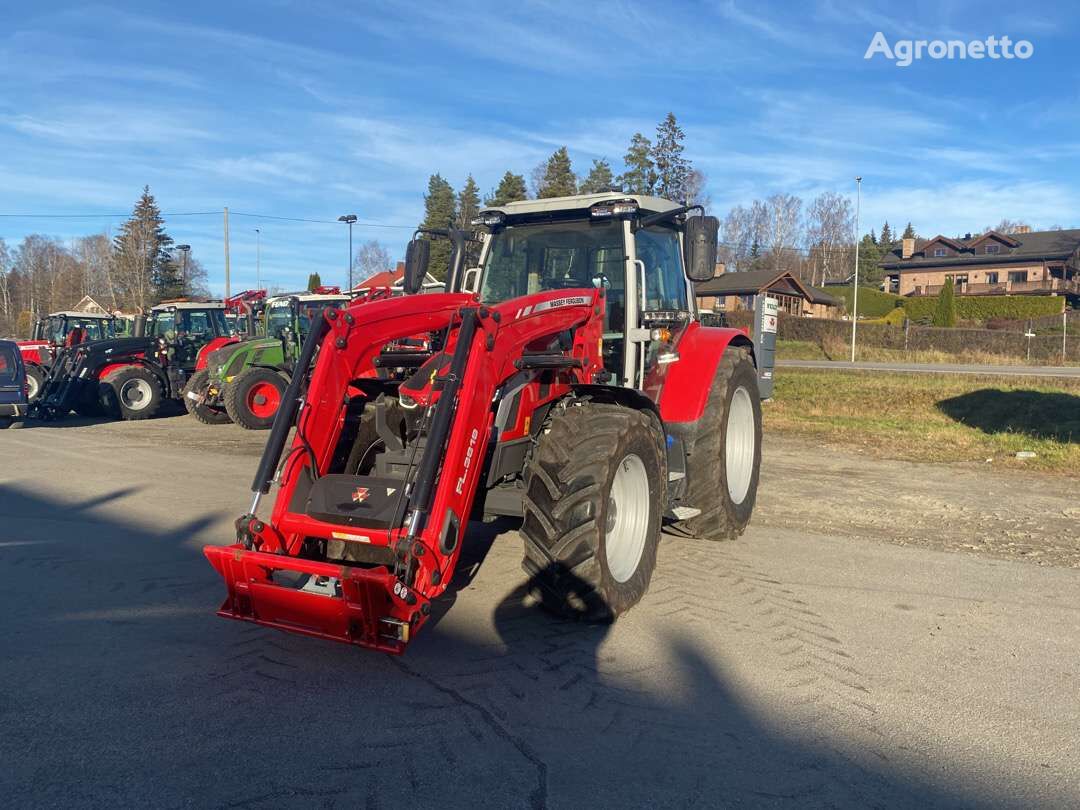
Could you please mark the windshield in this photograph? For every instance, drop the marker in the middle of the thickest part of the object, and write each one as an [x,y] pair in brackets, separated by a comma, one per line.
[206,323]
[59,327]
[278,317]
[525,259]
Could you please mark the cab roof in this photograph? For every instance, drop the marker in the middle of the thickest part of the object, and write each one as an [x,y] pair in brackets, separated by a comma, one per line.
[311,297]
[654,205]
[72,314]
[188,305]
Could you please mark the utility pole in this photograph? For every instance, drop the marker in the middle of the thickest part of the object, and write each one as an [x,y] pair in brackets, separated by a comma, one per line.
[855,296]
[350,219]
[258,259]
[228,292]
[184,250]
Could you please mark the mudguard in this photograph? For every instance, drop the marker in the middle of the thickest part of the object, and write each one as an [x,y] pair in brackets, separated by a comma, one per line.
[688,381]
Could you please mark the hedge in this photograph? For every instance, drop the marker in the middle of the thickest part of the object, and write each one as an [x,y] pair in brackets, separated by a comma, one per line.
[872,303]
[984,308]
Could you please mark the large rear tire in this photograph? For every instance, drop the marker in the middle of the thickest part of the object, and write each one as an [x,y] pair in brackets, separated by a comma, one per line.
[131,393]
[723,468]
[253,397]
[35,379]
[203,411]
[595,486]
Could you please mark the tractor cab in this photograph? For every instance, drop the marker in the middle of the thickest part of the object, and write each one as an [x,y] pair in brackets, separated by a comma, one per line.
[643,252]
[289,317]
[187,327]
[63,329]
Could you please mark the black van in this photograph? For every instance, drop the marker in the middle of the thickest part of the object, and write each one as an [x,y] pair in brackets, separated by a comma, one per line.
[12,385]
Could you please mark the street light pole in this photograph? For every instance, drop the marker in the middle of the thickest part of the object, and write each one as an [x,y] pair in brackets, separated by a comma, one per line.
[855,296]
[184,249]
[258,259]
[350,219]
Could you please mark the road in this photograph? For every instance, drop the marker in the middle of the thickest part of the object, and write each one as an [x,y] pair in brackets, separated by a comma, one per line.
[789,668]
[940,368]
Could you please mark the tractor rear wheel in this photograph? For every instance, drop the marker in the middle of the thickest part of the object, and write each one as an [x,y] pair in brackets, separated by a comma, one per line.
[203,411]
[253,397]
[35,378]
[595,490]
[131,393]
[722,470]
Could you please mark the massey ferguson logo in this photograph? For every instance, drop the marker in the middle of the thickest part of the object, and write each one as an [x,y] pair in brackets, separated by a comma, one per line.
[360,495]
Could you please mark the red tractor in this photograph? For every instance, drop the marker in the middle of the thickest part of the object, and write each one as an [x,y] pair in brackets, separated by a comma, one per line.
[131,377]
[566,381]
[58,331]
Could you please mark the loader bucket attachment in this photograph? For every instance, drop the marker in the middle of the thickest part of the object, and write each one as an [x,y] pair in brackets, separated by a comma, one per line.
[364,606]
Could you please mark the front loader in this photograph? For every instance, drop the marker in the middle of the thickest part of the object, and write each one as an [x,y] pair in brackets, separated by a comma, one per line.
[565,381]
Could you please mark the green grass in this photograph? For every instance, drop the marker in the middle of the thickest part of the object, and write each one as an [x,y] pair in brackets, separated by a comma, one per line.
[937,418]
[799,350]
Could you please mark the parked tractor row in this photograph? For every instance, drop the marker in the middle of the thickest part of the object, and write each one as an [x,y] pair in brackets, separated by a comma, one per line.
[564,380]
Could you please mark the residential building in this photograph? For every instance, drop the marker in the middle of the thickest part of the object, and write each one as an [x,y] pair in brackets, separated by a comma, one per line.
[993,263]
[730,292]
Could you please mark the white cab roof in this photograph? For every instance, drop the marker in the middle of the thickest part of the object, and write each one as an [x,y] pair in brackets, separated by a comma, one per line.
[582,201]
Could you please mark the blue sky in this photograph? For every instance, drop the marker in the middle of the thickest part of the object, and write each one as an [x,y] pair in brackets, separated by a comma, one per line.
[315,109]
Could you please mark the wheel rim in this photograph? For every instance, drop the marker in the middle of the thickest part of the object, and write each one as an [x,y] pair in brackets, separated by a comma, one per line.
[135,394]
[263,399]
[31,386]
[627,518]
[739,445]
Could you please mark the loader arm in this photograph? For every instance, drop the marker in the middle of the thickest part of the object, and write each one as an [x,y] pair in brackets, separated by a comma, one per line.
[412,534]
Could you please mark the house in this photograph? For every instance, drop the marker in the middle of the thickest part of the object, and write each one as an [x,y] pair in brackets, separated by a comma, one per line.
[993,263]
[729,292]
[89,306]
[386,278]
[393,279]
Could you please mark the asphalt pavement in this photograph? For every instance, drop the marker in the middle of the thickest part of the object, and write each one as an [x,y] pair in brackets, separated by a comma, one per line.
[939,368]
[789,668]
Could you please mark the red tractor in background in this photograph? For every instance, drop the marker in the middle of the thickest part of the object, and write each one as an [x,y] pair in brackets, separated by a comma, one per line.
[565,381]
[58,331]
[131,377]
[239,311]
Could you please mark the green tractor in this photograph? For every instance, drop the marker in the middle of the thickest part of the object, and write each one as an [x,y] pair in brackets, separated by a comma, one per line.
[244,382]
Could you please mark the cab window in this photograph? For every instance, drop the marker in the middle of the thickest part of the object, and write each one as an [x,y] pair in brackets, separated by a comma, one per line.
[665,284]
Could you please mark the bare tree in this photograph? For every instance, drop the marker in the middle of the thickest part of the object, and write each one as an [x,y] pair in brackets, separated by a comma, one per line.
[5,282]
[1008,226]
[695,189]
[783,228]
[830,225]
[372,258]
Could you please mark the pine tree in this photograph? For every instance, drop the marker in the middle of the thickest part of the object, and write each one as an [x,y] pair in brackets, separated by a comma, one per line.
[870,272]
[599,179]
[313,281]
[886,239]
[468,203]
[672,169]
[945,314]
[146,272]
[511,188]
[909,232]
[559,179]
[439,212]
[640,174]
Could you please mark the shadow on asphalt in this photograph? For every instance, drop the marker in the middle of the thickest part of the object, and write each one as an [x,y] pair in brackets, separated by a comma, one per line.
[1039,414]
[122,688]
[169,409]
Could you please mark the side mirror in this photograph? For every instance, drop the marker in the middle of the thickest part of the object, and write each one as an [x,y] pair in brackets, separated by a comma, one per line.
[417,257]
[700,240]
[470,282]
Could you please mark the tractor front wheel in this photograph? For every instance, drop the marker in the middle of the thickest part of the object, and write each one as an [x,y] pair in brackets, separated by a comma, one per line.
[131,393]
[203,411]
[723,467]
[35,379]
[595,488]
[253,397]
